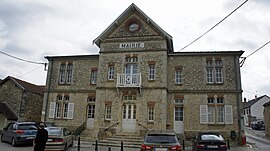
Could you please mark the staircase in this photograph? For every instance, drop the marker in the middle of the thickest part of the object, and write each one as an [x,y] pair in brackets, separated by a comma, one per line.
[129,140]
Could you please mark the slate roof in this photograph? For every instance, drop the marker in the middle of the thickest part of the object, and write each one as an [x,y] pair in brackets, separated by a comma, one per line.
[251,102]
[7,111]
[25,85]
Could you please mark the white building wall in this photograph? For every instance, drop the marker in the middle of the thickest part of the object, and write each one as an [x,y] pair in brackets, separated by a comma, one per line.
[257,108]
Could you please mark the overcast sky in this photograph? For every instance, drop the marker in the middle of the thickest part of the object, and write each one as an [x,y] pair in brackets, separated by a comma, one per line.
[32,29]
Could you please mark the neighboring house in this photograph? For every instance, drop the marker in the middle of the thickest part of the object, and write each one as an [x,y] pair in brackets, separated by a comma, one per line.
[6,115]
[266,114]
[253,109]
[137,82]
[20,100]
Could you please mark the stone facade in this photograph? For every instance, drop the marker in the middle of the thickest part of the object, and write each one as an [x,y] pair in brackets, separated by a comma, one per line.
[130,46]
[266,113]
[23,98]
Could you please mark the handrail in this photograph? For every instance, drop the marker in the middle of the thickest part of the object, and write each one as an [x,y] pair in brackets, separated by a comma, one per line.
[111,126]
[143,126]
[81,128]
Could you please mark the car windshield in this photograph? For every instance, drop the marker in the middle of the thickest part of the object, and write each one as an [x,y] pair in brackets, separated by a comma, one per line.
[27,127]
[54,131]
[161,139]
[211,137]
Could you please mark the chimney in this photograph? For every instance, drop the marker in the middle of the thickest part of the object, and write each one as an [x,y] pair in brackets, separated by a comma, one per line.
[245,100]
[255,97]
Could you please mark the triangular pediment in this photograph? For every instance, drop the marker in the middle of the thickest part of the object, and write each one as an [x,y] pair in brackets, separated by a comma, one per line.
[132,23]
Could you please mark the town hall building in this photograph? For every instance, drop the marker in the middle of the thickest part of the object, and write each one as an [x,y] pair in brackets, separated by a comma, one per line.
[137,83]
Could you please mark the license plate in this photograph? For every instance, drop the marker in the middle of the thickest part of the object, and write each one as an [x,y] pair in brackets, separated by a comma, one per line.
[30,137]
[161,149]
[212,146]
[50,140]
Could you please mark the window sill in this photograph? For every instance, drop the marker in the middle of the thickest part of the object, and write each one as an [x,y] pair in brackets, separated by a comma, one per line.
[151,80]
[150,122]
[214,83]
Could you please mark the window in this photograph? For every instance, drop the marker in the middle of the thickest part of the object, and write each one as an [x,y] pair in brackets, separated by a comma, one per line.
[178,113]
[129,97]
[151,74]
[216,112]
[91,98]
[111,73]
[91,111]
[108,112]
[93,79]
[214,71]
[62,108]
[151,113]
[65,73]
[178,76]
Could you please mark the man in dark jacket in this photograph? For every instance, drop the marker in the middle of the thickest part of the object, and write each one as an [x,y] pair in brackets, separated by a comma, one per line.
[41,138]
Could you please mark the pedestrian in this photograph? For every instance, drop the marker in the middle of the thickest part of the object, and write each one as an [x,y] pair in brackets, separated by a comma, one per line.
[41,138]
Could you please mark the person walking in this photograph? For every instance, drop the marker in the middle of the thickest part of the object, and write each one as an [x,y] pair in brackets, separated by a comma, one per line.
[41,138]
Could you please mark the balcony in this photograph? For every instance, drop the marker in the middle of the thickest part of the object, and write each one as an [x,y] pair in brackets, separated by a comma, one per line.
[129,80]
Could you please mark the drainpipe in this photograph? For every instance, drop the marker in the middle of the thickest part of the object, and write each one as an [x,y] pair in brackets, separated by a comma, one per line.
[21,103]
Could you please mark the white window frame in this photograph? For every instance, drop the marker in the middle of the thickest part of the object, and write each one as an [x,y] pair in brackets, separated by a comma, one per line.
[93,79]
[111,72]
[151,113]
[108,112]
[62,74]
[152,71]
[178,76]
[216,116]
[214,72]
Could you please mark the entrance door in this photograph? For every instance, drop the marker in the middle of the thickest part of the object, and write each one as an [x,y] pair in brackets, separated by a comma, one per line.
[178,119]
[90,115]
[130,70]
[129,118]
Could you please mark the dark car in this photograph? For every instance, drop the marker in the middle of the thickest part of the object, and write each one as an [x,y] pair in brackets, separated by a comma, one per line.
[60,138]
[258,125]
[209,141]
[19,133]
[161,140]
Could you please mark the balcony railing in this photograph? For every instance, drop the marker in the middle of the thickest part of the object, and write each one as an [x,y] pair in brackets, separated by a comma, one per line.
[129,80]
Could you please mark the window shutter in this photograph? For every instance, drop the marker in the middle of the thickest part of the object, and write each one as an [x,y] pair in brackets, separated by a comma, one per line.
[203,114]
[70,110]
[228,114]
[52,109]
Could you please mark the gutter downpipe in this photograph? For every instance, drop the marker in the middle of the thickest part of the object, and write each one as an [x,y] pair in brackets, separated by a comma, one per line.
[48,90]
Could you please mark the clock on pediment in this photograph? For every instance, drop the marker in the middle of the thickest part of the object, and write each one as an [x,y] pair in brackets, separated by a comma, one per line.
[133,25]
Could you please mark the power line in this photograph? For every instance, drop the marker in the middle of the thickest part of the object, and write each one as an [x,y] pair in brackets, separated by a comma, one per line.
[29,61]
[214,26]
[244,58]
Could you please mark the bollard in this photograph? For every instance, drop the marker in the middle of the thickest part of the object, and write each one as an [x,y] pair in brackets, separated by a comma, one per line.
[228,144]
[122,146]
[96,146]
[79,143]
[183,145]
[109,149]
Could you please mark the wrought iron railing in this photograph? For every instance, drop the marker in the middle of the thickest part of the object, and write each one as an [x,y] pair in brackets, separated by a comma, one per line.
[129,80]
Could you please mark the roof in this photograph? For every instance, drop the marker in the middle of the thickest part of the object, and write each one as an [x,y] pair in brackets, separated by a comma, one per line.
[124,16]
[7,111]
[251,102]
[25,85]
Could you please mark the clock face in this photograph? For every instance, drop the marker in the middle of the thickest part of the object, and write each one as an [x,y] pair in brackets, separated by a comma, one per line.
[133,26]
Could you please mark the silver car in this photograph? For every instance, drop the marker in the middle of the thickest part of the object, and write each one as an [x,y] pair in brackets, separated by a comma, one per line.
[60,138]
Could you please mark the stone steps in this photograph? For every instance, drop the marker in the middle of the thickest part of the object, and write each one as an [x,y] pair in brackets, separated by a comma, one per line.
[129,140]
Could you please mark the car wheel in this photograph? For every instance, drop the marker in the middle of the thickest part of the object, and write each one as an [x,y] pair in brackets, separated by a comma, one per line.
[13,142]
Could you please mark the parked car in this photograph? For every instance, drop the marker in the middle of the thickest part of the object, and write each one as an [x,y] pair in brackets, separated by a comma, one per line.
[161,140]
[258,125]
[19,133]
[60,138]
[207,141]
